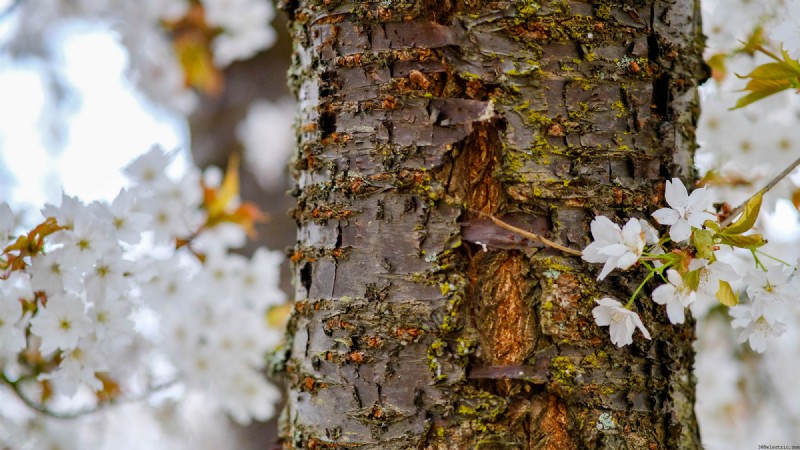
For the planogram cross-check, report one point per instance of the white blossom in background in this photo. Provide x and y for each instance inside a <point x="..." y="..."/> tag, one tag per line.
<point x="733" y="143"/>
<point x="154" y="66"/>
<point x="771" y="292"/>
<point x="268" y="138"/>
<point x="787" y="31"/>
<point x="620" y="321"/>
<point x="61" y="323"/>
<point x="12" y="335"/>
<point x="245" y="28"/>
<point x="208" y="316"/>
<point x="728" y="22"/>
<point x="744" y="398"/>
<point x="756" y="327"/>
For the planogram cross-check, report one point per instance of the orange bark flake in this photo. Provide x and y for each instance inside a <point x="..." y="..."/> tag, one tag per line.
<point x="506" y="332"/>
<point x="553" y="424"/>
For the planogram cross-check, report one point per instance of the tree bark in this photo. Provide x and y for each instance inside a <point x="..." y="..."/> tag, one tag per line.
<point x="418" y="324"/>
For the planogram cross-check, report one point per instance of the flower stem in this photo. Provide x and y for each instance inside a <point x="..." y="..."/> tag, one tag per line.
<point x="652" y="271"/>
<point x="773" y="258"/>
<point x="759" y="264"/>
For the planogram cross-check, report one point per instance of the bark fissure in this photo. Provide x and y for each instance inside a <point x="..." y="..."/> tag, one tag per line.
<point x="420" y="324"/>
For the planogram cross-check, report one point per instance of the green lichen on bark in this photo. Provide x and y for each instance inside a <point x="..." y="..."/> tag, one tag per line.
<point x="414" y="116"/>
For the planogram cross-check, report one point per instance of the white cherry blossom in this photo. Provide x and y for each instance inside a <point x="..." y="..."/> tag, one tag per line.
<point x="245" y="25"/>
<point x="61" y="323"/>
<point x="621" y="322"/>
<point x="12" y="336"/>
<point x="756" y="327"/>
<point x="170" y="219"/>
<point x="149" y="169"/>
<point x="128" y="223"/>
<point x="78" y="367"/>
<point x="261" y="277"/>
<point x="686" y="211"/>
<point x="48" y="273"/>
<point x="711" y="275"/>
<point x="66" y="213"/>
<point x="617" y="248"/>
<point x="88" y="239"/>
<point x="109" y="275"/>
<point x="246" y="395"/>
<point x="676" y="295"/>
<point x="110" y="317"/>
<point x="787" y="31"/>
<point x="771" y="292"/>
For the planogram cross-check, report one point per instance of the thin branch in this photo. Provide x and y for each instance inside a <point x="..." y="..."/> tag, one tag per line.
<point x="44" y="410"/>
<point x="761" y="191"/>
<point x="527" y="234"/>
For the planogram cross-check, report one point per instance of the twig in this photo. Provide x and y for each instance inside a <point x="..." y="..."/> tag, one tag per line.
<point x="738" y="210"/>
<point x="527" y="234"/>
<point x="41" y="409"/>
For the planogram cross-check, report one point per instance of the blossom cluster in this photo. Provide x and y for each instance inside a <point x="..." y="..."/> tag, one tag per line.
<point x="175" y="46"/>
<point x="739" y="151"/>
<point x="244" y="26"/>
<point x="118" y="300"/>
<point x="697" y="264"/>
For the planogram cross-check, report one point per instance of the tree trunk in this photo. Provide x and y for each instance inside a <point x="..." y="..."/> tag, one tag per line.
<point x="417" y="323"/>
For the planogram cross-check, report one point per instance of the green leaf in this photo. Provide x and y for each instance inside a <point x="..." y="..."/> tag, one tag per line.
<point x="773" y="71"/>
<point x="704" y="243"/>
<point x="754" y="41"/>
<point x="789" y="60"/>
<point x="725" y="294"/>
<point x="758" y="95"/>
<point x="711" y="224"/>
<point x="692" y="279"/>
<point x="766" y="85"/>
<point x="750" y="241"/>
<point x="748" y="217"/>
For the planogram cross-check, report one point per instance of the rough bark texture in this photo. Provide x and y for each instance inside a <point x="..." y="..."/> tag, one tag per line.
<point x="407" y="333"/>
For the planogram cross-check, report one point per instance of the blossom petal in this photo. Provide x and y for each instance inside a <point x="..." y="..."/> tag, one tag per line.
<point x="604" y="230"/>
<point x="663" y="294"/>
<point x="675" y="278"/>
<point x="697" y="201"/>
<point x="622" y="333"/>
<point x="697" y="219"/>
<point x="676" y="195"/>
<point x="607" y="268"/>
<point x="666" y="216"/>
<point x="602" y="316"/>
<point x="675" y="312"/>
<point x="632" y="231"/>
<point x="650" y="233"/>
<point x="627" y="260"/>
<point x="638" y="322"/>
<point x="592" y="253"/>
<point x="680" y="231"/>
<point x="613" y="250"/>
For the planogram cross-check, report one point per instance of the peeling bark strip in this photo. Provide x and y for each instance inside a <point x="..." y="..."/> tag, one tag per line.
<point x="417" y="114"/>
